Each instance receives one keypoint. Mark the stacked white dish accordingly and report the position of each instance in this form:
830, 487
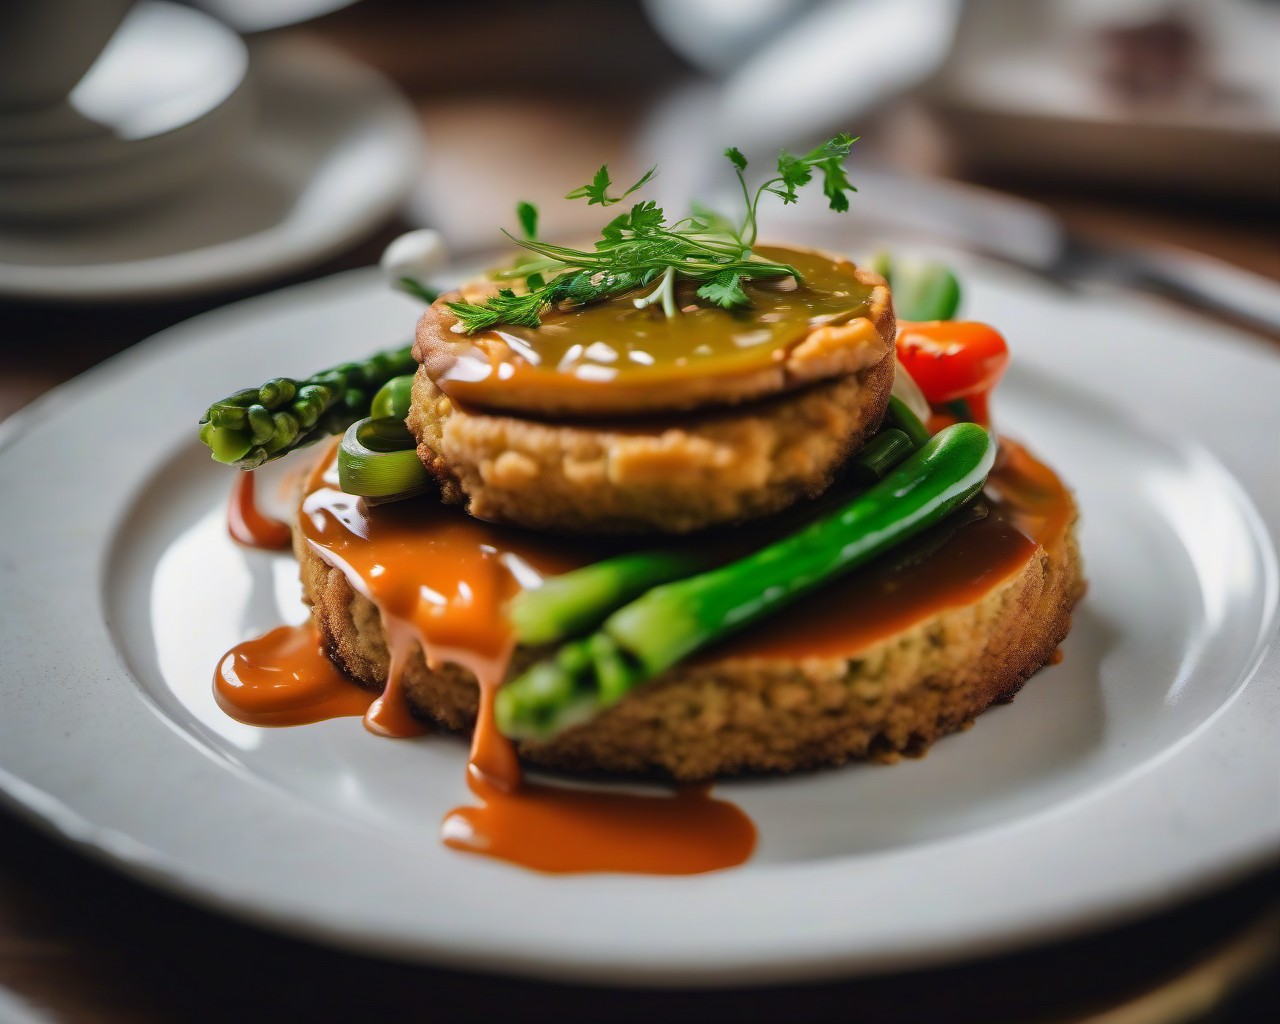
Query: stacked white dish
146, 150
163, 105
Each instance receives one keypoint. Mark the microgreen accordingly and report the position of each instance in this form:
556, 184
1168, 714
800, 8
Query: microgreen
639, 247
597, 190
527, 215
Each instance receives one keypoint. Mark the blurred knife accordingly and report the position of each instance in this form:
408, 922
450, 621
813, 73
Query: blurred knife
806, 75
1029, 235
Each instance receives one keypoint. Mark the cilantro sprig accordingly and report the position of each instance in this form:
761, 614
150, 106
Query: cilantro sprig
640, 247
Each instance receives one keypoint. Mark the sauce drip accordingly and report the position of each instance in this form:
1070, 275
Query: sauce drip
285, 678
440, 579
247, 525
612, 343
561, 830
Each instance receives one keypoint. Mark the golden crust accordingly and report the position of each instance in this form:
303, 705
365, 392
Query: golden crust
829, 351
733, 715
672, 475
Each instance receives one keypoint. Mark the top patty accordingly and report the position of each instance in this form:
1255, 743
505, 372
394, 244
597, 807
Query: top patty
611, 359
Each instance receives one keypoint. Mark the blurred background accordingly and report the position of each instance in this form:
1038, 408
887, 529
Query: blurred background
159, 159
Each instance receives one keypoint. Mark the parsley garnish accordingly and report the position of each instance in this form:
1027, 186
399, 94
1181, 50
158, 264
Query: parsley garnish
639, 247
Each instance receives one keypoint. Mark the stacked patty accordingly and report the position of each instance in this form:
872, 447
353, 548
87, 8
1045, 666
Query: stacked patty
698, 452
696, 460
724, 716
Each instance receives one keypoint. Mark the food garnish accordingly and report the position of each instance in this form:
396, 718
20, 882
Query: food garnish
256, 425
746, 648
669, 622
640, 247
377, 459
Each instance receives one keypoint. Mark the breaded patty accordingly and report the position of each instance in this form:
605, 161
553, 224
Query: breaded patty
492, 370
728, 715
669, 474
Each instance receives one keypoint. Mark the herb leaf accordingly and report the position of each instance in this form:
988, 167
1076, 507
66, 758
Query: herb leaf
597, 191
640, 246
527, 215
725, 290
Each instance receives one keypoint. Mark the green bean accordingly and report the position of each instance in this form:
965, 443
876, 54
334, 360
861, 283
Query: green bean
672, 621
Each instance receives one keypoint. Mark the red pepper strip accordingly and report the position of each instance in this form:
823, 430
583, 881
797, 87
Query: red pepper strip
953, 360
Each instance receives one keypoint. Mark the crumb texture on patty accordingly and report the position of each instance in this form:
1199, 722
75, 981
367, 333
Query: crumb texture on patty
726, 716
674, 474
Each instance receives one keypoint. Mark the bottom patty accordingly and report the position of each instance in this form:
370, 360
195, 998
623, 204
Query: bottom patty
731, 715
676, 474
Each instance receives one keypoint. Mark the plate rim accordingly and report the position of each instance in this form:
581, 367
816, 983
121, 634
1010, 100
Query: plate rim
151, 867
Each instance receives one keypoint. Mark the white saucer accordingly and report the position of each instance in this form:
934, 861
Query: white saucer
333, 151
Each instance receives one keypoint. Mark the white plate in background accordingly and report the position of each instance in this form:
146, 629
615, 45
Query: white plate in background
1140, 770
333, 151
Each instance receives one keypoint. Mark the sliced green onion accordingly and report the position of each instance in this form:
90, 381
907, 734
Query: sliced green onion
393, 399
378, 459
881, 454
907, 421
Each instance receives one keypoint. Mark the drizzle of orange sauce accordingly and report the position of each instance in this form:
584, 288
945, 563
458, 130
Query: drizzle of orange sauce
285, 678
852, 613
563, 830
440, 579
247, 525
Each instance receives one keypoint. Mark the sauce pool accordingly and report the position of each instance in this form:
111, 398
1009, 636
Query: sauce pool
440, 579
285, 678
247, 525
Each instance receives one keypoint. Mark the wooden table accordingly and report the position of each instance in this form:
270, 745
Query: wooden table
89, 945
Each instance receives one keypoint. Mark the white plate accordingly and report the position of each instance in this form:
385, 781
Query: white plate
332, 153
1141, 769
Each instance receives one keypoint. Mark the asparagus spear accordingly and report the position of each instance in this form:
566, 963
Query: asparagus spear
580, 600
258, 424
670, 622
572, 603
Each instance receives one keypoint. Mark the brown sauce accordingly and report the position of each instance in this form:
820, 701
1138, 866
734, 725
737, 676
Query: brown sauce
440, 580
612, 343
564, 830
561, 829
285, 678
1036, 500
851, 614
247, 525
